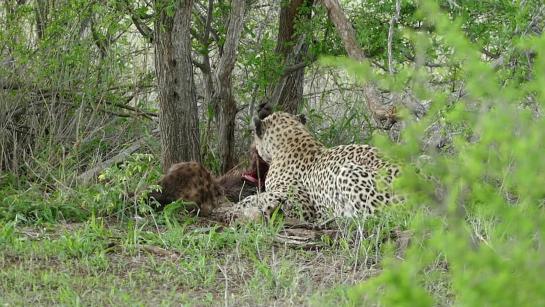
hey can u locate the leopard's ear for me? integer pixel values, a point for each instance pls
(302, 118)
(264, 110)
(258, 127)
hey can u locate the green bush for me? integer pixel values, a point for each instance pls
(478, 206)
(121, 191)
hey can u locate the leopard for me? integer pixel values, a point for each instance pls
(310, 182)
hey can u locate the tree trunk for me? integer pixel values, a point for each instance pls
(178, 116)
(227, 116)
(287, 93)
(223, 96)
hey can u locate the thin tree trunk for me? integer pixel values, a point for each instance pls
(223, 96)
(344, 28)
(287, 93)
(178, 116)
(227, 116)
(41, 11)
(348, 35)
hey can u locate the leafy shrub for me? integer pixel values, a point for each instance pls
(121, 187)
(128, 181)
(477, 208)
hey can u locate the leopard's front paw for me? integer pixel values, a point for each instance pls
(251, 214)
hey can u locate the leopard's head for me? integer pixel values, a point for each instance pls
(275, 131)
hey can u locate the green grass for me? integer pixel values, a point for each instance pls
(83, 245)
(193, 262)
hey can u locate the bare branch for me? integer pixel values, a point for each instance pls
(393, 22)
(138, 111)
(293, 68)
(348, 35)
(344, 28)
(143, 28)
(212, 31)
(208, 24)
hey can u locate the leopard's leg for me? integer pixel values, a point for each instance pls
(295, 206)
(260, 205)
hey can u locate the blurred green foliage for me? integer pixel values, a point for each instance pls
(478, 208)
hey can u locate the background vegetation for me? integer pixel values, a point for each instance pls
(80, 99)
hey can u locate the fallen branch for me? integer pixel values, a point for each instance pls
(136, 110)
(120, 157)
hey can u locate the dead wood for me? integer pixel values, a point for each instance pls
(88, 175)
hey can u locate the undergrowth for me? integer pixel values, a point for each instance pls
(119, 192)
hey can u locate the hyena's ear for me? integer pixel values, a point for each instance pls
(302, 118)
(264, 110)
(258, 127)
